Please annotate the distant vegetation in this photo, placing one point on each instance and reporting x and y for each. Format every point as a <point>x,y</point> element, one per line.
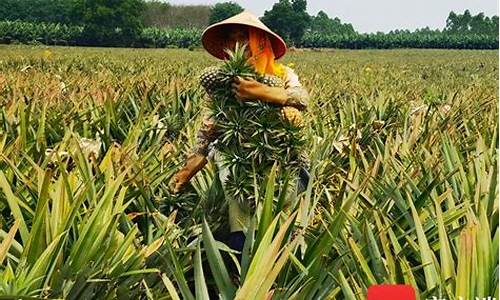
<point>164,15</point>
<point>136,23</point>
<point>222,11</point>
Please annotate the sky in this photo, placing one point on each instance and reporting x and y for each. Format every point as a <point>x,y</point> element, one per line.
<point>378,15</point>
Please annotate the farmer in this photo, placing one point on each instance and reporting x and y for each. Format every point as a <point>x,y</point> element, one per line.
<point>264,47</point>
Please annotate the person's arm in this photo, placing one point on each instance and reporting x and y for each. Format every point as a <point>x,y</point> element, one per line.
<point>293,94</point>
<point>198,159</point>
<point>206,135</point>
<point>193,165</point>
<point>298,96</point>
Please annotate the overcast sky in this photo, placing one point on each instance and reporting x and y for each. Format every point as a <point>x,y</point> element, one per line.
<point>378,15</point>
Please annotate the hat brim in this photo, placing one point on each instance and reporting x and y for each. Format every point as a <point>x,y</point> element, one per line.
<point>213,36</point>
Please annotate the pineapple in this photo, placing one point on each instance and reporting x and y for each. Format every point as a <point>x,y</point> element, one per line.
<point>272,81</point>
<point>254,135</point>
<point>292,115</point>
<point>208,78</point>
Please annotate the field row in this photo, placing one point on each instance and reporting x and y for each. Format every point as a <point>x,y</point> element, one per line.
<point>403,147</point>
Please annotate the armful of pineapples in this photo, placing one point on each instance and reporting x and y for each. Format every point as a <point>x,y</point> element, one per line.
<point>193,165</point>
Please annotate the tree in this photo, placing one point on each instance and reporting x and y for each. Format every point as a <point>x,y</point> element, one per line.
<point>494,26</point>
<point>478,24</point>
<point>323,24</point>
<point>50,11</point>
<point>451,23</point>
<point>289,19</point>
<point>112,22</point>
<point>457,23</point>
<point>466,23</point>
<point>302,21</point>
<point>224,10</point>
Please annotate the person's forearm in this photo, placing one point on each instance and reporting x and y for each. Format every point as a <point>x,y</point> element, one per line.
<point>252,90</point>
<point>274,95</point>
<point>193,165</point>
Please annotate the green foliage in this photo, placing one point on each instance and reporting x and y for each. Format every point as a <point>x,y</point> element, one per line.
<point>255,135</point>
<point>173,37</point>
<point>224,10</point>
<point>132,23</point>
<point>289,19</point>
<point>400,39</point>
<point>404,189</point>
<point>50,34</point>
<point>112,23</point>
<point>323,24</point>
<point>48,11</point>
<point>468,24</point>
<point>45,33</point>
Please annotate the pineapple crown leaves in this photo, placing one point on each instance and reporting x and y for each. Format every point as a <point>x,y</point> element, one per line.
<point>215,80</point>
<point>237,64</point>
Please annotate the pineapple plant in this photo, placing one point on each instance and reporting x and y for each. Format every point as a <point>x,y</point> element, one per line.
<point>255,134</point>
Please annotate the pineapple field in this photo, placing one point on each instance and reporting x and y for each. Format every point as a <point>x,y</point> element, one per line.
<point>403,155</point>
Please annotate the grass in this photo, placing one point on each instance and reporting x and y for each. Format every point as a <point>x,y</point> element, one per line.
<point>403,143</point>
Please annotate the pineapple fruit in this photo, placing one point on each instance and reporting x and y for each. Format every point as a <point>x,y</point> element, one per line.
<point>209,78</point>
<point>254,135</point>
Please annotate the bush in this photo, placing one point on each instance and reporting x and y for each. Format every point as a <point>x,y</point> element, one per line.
<point>46,33</point>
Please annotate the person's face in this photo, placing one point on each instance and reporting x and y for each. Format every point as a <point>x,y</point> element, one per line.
<point>237,34</point>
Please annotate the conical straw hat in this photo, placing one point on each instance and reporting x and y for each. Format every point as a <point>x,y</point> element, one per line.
<point>213,35</point>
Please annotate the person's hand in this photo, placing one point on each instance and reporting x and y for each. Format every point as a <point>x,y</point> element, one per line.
<point>179,180</point>
<point>246,89</point>
<point>194,164</point>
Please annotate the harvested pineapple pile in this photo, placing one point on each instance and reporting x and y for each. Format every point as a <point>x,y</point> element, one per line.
<point>254,134</point>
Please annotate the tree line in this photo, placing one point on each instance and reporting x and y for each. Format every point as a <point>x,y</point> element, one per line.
<point>290,19</point>
<point>139,23</point>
